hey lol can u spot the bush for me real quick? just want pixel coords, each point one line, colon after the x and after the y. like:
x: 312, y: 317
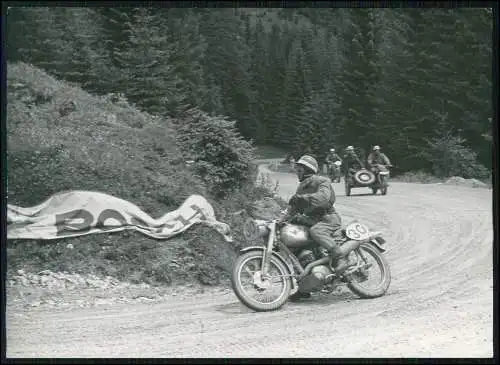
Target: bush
x: 450, y: 157
x: 222, y: 158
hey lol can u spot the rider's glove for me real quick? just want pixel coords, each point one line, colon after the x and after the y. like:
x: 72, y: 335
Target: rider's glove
x: 293, y: 200
x: 297, y: 199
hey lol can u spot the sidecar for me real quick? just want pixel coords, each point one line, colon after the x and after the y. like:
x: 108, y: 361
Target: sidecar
x: 364, y: 178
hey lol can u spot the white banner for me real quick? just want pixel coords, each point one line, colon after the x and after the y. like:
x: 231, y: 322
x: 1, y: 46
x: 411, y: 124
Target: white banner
x: 77, y: 213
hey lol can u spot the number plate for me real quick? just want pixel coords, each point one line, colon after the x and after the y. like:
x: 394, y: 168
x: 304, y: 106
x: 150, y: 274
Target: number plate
x: 357, y: 231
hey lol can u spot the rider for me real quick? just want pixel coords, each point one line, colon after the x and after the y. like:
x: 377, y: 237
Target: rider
x: 352, y: 163
x: 331, y: 159
x: 377, y: 158
x: 333, y: 156
x: 312, y: 205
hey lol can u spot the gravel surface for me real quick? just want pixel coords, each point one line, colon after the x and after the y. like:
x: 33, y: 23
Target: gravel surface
x: 440, y: 302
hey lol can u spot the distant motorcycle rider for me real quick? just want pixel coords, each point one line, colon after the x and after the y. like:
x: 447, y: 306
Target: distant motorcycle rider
x: 352, y: 162
x: 331, y: 159
x: 312, y: 206
x: 377, y: 158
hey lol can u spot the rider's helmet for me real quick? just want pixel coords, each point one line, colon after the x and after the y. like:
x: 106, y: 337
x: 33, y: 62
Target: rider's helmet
x: 309, y: 162
x: 376, y: 148
x: 349, y: 148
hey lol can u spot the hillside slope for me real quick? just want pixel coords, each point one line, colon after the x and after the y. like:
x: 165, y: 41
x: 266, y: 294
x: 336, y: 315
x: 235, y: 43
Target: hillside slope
x: 62, y: 138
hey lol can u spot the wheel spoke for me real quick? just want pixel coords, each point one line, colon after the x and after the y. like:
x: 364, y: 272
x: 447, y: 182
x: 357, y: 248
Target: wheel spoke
x: 369, y: 274
x: 249, y: 272
x: 269, y: 289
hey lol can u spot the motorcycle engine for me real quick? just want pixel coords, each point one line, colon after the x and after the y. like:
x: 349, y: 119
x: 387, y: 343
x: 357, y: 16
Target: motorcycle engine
x: 316, y: 279
x: 321, y: 272
x: 305, y: 257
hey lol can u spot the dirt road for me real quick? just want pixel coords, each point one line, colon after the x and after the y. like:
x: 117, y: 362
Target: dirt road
x: 440, y: 303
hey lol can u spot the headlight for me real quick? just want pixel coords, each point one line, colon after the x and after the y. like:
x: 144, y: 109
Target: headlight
x: 253, y: 229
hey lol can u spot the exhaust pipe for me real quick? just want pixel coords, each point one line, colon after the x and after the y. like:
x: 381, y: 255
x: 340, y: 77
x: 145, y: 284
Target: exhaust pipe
x: 309, y: 267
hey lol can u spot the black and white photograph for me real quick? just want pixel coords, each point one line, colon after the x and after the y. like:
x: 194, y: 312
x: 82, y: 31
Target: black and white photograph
x: 297, y: 180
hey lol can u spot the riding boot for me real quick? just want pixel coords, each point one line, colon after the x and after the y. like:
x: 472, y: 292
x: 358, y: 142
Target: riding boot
x: 341, y: 263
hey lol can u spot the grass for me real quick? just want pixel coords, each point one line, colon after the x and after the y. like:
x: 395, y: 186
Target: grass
x: 62, y: 138
x: 420, y: 177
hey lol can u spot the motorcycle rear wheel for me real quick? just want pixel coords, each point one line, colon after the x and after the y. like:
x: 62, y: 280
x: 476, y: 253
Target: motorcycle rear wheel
x: 385, y: 281
x: 248, y: 300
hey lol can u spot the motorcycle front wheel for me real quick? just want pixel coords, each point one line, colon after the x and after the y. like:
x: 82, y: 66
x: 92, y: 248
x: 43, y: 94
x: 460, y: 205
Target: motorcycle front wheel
x: 378, y: 272
x: 347, y: 188
x: 257, y: 292
x: 383, y: 183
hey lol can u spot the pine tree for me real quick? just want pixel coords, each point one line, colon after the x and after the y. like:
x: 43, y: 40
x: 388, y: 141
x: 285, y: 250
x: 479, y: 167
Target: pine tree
x: 227, y: 62
x: 360, y: 75
x: 275, y: 79
x: 289, y: 130
x: 259, y: 66
x: 146, y: 65
x: 34, y: 35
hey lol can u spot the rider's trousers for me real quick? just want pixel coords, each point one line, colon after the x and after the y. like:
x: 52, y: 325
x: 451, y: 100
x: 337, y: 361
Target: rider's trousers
x: 326, y: 231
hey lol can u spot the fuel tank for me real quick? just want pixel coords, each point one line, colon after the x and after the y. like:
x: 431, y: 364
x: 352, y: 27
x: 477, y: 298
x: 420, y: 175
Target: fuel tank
x: 295, y: 236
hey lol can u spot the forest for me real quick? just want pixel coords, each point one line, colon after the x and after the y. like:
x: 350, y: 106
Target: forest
x: 417, y: 82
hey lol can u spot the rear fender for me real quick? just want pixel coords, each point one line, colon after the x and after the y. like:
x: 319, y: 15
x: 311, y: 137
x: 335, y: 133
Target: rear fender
x: 291, y: 271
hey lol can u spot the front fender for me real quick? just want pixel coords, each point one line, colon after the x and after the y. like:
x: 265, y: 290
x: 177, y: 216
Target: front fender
x: 279, y: 257
x: 375, y: 243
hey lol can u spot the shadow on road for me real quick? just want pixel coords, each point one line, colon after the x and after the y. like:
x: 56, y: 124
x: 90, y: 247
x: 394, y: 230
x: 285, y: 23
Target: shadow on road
x: 322, y: 299
x: 364, y: 194
x: 316, y: 300
x: 233, y: 308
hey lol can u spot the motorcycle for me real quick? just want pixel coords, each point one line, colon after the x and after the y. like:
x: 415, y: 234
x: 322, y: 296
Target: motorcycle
x: 381, y: 178
x: 292, y: 262
x: 334, y: 171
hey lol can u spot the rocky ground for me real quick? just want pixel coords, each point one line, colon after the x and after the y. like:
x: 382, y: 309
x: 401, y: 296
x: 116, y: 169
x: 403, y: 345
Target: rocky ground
x: 460, y: 181
x: 64, y: 290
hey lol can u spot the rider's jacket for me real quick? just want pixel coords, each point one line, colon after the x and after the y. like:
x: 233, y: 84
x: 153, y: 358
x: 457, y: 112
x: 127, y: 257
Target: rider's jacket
x: 351, y: 160
x: 317, y: 195
x: 332, y: 157
x: 380, y: 159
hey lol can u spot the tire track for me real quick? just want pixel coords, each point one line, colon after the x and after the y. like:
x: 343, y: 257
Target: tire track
x: 440, y: 302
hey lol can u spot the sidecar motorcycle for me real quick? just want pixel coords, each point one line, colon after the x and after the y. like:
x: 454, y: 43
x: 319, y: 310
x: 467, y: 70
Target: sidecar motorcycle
x: 364, y: 178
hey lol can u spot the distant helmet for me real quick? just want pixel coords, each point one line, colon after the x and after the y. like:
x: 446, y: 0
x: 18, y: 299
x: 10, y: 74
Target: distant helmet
x: 376, y: 148
x: 309, y: 162
x: 332, y: 149
x: 350, y: 148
